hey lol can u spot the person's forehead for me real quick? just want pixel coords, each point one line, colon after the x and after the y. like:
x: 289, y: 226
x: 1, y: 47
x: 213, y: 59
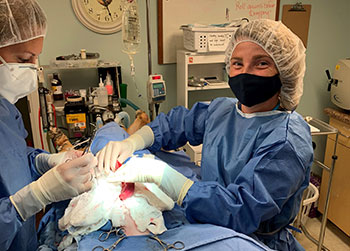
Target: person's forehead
x: 33, y: 46
x: 248, y: 48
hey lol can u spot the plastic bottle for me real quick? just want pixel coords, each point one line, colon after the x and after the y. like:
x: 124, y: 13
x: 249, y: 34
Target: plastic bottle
x: 56, y: 85
x: 131, y: 27
x: 109, y: 84
x: 99, y: 122
x: 102, y: 95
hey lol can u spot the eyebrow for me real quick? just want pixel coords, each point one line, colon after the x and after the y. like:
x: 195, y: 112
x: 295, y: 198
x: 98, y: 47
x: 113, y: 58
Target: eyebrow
x: 254, y: 57
x: 29, y: 52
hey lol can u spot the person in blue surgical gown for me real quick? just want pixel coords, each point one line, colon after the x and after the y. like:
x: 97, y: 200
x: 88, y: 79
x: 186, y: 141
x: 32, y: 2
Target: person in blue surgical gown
x: 30, y: 178
x: 257, y: 150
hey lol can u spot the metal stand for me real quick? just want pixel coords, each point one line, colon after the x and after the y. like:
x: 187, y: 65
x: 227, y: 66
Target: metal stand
x: 324, y: 129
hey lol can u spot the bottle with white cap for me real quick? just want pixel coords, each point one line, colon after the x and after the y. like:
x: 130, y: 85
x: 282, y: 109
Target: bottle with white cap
x: 109, y: 84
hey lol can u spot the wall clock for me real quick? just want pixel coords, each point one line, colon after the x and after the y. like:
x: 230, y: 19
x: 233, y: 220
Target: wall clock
x: 101, y: 16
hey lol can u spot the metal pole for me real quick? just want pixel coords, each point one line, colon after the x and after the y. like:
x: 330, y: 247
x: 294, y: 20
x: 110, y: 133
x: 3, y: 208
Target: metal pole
x: 325, y: 213
x: 150, y: 106
x: 148, y: 40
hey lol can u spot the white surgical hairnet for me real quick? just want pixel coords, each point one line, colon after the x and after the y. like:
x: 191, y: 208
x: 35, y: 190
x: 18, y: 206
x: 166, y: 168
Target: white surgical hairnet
x: 20, y: 21
x: 284, y: 47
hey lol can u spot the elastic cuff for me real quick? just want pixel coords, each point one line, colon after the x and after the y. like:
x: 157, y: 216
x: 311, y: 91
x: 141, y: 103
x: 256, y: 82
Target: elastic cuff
x: 42, y: 163
x: 17, y: 208
x: 142, y: 138
x: 184, y: 191
x: 26, y: 203
x: 147, y: 135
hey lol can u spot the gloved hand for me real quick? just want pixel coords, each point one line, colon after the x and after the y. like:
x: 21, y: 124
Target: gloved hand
x: 45, y: 161
x: 147, y: 170
x: 62, y: 182
x: 121, y: 150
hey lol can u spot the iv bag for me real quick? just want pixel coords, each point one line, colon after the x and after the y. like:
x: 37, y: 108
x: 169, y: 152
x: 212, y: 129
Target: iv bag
x: 131, y: 27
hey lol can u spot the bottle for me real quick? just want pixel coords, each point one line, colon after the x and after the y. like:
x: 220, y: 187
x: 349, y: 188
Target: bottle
x: 82, y: 54
x: 102, y: 95
x: 131, y: 27
x: 56, y: 85
x: 99, y: 122
x: 109, y: 84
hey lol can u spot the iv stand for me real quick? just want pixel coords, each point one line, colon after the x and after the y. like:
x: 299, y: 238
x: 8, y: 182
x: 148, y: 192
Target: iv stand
x: 150, y: 106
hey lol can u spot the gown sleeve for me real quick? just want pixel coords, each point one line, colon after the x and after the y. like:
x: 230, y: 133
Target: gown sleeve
x: 17, y: 169
x: 11, y: 221
x: 179, y: 126
x: 32, y: 153
x: 266, y: 193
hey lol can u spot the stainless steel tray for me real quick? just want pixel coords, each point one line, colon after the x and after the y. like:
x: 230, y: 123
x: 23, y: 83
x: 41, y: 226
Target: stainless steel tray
x: 323, y: 128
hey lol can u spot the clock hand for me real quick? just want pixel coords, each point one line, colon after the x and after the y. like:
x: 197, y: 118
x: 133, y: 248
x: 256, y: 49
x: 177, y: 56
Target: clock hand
x: 106, y: 3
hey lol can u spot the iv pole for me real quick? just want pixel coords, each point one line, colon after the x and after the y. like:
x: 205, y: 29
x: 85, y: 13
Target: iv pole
x: 150, y: 106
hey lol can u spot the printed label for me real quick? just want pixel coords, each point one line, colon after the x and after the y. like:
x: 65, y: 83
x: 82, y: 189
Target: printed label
x: 79, y: 120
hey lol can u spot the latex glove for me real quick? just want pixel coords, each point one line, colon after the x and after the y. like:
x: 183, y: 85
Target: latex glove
x: 121, y: 150
x: 62, y: 182
x: 146, y: 170
x: 45, y: 161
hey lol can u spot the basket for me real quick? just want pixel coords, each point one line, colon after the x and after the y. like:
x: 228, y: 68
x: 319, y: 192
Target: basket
x: 311, y: 195
x: 209, y: 38
x: 206, y: 39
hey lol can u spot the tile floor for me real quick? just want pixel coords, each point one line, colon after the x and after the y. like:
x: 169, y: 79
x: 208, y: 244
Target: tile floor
x: 334, y: 240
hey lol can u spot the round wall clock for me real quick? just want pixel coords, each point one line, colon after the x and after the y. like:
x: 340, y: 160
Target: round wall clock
x: 101, y: 16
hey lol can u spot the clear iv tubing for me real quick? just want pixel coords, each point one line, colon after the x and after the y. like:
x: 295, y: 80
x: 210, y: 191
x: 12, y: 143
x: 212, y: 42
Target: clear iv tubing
x: 132, y: 73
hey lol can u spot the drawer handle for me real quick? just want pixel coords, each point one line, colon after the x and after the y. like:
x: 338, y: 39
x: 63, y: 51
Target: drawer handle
x: 342, y: 134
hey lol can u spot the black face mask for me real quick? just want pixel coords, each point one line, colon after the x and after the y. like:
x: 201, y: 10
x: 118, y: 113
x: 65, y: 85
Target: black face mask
x: 251, y: 89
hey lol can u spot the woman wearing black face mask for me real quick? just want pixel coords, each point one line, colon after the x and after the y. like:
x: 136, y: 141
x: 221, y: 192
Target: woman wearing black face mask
x: 257, y: 150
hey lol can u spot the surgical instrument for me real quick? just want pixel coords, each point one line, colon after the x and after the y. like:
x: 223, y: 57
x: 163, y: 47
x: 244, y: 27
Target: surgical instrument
x: 87, y: 149
x: 105, y: 235
x: 177, y: 245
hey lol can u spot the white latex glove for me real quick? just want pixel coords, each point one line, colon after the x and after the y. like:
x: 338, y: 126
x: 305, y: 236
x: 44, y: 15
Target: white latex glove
x: 45, y: 162
x: 121, y: 150
x: 62, y: 182
x: 112, y: 152
x: 147, y: 170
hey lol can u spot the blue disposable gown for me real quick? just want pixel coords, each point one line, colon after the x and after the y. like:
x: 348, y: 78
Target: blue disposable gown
x: 17, y: 170
x: 254, y: 167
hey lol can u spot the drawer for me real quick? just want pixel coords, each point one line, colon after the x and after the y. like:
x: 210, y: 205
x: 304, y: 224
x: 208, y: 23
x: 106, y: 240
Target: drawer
x: 344, y: 131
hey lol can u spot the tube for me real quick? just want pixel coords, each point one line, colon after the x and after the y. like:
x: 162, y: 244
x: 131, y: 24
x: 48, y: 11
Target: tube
x: 128, y: 102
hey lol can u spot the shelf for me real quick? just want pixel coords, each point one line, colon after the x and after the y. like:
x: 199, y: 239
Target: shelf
x: 201, y: 66
x: 323, y: 128
x: 208, y: 87
x: 80, y: 64
x: 205, y: 58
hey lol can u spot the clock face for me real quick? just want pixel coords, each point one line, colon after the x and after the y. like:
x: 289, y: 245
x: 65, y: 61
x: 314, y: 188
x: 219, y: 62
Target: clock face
x: 101, y: 16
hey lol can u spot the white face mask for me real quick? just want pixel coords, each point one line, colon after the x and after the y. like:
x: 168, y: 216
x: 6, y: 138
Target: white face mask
x: 17, y: 80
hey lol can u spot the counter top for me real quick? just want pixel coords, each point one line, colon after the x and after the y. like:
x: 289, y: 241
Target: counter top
x: 339, y: 115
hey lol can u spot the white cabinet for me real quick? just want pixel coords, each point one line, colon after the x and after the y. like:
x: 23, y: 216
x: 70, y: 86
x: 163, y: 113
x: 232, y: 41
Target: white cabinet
x: 200, y: 65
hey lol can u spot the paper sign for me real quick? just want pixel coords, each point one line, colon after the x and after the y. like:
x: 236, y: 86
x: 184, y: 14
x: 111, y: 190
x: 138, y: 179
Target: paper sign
x: 218, y: 41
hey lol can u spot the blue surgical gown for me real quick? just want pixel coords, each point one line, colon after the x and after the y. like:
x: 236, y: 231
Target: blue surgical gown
x: 17, y: 170
x: 254, y: 167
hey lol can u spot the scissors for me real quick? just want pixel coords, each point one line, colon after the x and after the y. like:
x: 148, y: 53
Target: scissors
x: 105, y: 235
x: 87, y: 149
x: 111, y: 247
x: 177, y: 245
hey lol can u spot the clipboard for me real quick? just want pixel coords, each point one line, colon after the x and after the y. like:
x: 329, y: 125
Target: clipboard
x: 297, y: 18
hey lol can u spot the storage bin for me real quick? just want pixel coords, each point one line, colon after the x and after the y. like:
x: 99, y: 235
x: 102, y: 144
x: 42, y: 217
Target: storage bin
x: 209, y: 38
